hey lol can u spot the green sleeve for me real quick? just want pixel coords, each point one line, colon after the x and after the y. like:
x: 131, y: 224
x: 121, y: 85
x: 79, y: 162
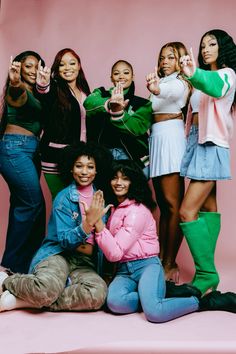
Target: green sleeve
x: 94, y: 103
x: 210, y: 82
x: 137, y: 123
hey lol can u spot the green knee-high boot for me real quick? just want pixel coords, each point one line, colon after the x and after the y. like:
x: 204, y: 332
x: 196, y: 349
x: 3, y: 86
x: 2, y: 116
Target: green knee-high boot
x: 213, y: 221
x: 201, y: 246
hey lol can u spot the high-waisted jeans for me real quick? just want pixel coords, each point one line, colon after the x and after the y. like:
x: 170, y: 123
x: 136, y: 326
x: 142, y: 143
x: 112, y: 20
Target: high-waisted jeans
x: 26, y: 224
x: 140, y: 285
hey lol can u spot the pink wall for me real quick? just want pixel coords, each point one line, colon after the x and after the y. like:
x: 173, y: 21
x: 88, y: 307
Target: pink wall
x: 102, y: 31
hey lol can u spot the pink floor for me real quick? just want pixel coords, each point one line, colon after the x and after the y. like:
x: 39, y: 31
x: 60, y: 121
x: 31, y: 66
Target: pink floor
x: 33, y: 331
x: 25, y: 331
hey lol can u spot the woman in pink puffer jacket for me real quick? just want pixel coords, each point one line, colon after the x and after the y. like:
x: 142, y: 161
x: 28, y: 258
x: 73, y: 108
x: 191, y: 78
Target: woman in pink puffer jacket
x: 130, y: 238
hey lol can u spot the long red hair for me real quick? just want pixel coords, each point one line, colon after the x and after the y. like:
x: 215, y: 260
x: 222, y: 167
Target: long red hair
x: 81, y: 81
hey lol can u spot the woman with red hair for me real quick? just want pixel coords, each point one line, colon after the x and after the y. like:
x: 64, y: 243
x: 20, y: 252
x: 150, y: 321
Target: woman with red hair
x: 63, y: 90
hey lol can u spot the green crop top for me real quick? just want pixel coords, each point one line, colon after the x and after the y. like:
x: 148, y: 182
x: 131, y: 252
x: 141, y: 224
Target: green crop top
x: 28, y: 116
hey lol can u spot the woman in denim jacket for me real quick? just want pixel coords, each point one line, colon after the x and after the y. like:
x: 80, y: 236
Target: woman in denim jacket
x: 62, y: 273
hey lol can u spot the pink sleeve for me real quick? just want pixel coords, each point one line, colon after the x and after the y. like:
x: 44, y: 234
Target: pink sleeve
x: 115, y: 246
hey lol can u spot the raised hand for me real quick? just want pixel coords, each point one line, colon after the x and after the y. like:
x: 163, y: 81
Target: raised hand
x: 14, y: 72
x: 117, y: 102
x: 43, y: 75
x: 97, y: 208
x: 153, y: 82
x: 187, y: 63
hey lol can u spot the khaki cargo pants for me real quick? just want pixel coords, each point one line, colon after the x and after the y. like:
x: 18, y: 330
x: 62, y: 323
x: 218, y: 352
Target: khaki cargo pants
x: 49, y: 287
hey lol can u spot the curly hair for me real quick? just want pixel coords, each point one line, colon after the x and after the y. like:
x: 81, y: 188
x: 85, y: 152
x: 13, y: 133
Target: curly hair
x: 103, y: 161
x: 179, y: 50
x: 139, y: 189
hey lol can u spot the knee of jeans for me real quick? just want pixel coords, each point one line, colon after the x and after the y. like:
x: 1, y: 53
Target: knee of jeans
x: 157, y: 316
x: 38, y: 204
x: 114, y: 305
x: 114, y: 302
x: 117, y: 304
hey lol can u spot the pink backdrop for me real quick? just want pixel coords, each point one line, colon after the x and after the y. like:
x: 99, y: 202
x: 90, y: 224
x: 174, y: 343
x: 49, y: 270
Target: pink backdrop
x: 103, y: 31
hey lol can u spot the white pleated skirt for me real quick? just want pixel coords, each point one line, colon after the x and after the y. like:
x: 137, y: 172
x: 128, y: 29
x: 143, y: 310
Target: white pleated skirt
x: 167, y: 145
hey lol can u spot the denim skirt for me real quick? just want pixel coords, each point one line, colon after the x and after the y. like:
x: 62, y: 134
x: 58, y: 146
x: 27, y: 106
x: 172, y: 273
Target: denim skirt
x: 167, y: 145
x: 207, y: 161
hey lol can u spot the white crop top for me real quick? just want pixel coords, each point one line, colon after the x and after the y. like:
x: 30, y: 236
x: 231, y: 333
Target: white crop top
x: 172, y: 97
x: 195, y: 100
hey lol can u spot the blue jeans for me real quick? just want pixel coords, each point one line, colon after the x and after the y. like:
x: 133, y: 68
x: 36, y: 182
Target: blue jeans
x: 139, y: 285
x: 26, y: 224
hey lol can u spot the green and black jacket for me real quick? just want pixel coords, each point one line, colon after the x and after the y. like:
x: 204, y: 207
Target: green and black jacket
x: 105, y: 130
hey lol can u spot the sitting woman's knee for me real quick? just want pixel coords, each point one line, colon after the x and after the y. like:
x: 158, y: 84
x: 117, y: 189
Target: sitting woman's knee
x: 45, y: 294
x: 158, y: 316
x: 100, y: 296
x: 97, y: 294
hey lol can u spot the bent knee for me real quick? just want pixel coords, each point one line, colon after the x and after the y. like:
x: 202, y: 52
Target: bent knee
x: 116, y: 305
x: 45, y: 294
x: 158, y: 317
x: 98, y: 294
x: 187, y: 214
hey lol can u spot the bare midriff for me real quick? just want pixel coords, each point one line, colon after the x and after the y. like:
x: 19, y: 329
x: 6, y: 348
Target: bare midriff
x: 195, y: 118
x: 16, y: 129
x: 166, y: 116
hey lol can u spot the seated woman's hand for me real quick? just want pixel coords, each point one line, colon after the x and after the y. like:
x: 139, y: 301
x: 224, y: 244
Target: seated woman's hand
x: 95, y: 211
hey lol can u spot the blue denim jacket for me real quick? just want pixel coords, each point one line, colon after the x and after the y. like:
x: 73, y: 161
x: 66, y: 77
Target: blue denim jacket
x: 65, y: 230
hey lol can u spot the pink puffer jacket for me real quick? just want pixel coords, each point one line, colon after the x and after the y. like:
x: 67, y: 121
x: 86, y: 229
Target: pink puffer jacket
x: 130, y: 233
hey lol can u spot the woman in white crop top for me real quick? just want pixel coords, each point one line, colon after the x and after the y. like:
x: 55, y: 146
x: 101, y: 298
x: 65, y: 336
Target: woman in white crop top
x: 169, y: 95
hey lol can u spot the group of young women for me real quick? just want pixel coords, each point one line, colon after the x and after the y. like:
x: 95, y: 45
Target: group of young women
x: 50, y: 114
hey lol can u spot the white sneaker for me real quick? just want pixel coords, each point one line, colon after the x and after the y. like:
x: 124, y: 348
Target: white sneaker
x: 3, y: 276
x: 7, y: 301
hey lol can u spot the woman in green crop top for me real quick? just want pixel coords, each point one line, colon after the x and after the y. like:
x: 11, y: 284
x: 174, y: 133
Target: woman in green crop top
x: 20, y: 129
